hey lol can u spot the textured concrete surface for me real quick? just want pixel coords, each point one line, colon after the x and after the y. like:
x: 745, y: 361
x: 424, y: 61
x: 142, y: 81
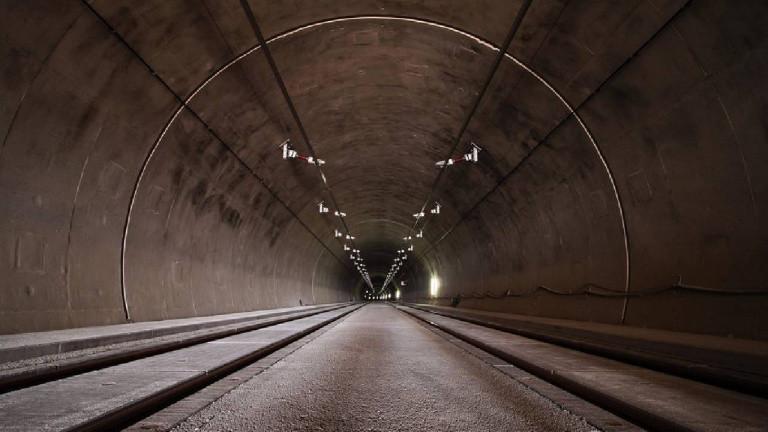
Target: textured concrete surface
x: 172, y: 415
x: 28, y: 371
x: 379, y: 370
x: 74, y: 401
x: 716, y: 357
x: 688, y: 404
x: 114, y: 203
x: 26, y: 345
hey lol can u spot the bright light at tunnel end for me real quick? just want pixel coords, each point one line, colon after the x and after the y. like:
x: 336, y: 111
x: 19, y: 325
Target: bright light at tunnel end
x: 434, y: 286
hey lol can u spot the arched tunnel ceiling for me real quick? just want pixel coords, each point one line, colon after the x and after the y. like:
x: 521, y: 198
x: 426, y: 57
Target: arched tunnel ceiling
x: 382, y: 94
x: 661, y: 157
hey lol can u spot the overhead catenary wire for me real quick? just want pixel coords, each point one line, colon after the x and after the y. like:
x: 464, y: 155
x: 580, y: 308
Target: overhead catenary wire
x: 421, y: 214
x: 294, y: 113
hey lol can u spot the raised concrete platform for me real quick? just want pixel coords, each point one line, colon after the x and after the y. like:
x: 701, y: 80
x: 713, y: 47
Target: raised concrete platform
x: 27, y: 345
x: 734, y: 363
x: 651, y: 398
x: 93, y: 400
x: 38, y: 370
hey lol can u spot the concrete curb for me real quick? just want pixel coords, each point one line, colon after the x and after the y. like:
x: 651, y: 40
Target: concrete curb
x: 126, y: 335
x: 58, y: 370
x: 720, y: 368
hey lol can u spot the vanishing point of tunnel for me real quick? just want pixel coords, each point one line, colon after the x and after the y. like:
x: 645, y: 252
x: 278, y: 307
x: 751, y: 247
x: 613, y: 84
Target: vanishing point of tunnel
x: 383, y: 215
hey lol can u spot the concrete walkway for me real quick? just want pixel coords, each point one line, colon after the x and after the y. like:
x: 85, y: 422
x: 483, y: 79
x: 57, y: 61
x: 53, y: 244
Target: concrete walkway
x: 20, y: 346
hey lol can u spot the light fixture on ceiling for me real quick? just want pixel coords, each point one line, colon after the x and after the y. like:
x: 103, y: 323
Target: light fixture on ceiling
x: 472, y: 156
x: 290, y: 153
x: 436, y: 209
x: 322, y: 208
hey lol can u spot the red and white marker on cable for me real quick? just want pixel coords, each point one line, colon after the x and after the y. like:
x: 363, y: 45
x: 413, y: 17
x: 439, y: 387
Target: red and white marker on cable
x: 472, y: 156
x: 290, y: 153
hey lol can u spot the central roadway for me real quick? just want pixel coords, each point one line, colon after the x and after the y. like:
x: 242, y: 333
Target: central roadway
x: 380, y: 370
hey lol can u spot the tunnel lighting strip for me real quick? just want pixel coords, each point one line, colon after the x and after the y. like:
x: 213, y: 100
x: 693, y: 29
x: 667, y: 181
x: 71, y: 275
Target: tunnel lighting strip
x: 401, y: 257
x: 288, y: 152
x: 483, y: 90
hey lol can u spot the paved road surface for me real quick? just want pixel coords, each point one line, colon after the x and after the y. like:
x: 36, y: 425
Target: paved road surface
x: 379, y: 370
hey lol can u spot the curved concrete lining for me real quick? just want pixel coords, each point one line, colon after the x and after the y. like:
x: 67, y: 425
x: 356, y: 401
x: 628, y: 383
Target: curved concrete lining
x: 620, y: 180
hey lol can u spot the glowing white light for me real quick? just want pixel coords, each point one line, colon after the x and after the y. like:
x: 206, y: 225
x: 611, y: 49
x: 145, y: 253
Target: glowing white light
x: 472, y: 156
x: 288, y: 152
x: 434, y: 286
x: 313, y: 161
x: 397, y: 294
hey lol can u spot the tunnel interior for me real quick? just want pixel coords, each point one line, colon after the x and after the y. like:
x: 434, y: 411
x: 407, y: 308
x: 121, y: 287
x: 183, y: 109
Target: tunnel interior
x: 620, y: 175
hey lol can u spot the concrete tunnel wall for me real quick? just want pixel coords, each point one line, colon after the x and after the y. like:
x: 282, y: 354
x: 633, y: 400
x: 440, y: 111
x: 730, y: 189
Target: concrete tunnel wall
x: 643, y: 208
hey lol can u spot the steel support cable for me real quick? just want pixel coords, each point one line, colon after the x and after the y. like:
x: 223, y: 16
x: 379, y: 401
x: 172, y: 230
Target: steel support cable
x: 291, y: 107
x: 483, y: 90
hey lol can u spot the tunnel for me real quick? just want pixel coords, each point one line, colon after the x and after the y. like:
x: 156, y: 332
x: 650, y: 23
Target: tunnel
x: 557, y: 161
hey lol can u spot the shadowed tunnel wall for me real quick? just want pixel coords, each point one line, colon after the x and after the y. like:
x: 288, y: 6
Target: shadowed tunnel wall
x: 622, y: 177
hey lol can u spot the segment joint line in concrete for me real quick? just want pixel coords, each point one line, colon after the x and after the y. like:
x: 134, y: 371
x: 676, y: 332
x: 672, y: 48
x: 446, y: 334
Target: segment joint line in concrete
x: 183, y: 105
